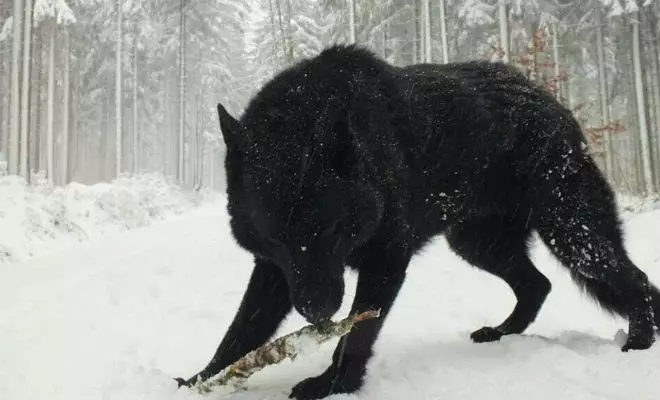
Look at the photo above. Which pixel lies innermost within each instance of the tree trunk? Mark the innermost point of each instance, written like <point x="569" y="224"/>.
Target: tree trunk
<point x="64" y="164"/>
<point x="135" y="100"/>
<point x="631" y="166"/>
<point x="273" y="27"/>
<point x="80" y="152"/>
<point x="284" y="35"/>
<point x="351" y="21"/>
<point x="555" y="62"/>
<point x="443" y="32"/>
<point x="50" y="154"/>
<point x="647" y="167"/>
<point x="200" y="138"/>
<point x="415" y="55"/>
<point x="109" y="141"/>
<point x="14" y="111"/>
<point x="170" y="157"/>
<point x="646" y="58"/>
<point x="422" y="31"/>
<point x="212" y="167"/>
<point x="384" y="29"/>
<point x="655" y="85"/>
<point x="503" y="16"/>
<point x="428" y="48"/>
<point x="602" y="91"/>
<point x="4" y="105"/>
<point x="182" y="96"/>
<point x="195" y="144"/>
<point x="25" y="95"/>
<point x="118" y="91"/>
<point x="289" y="30"/>
<point x="35" y="101"/>
<point x="200" y="162"/>
<point x="43" y="99"/>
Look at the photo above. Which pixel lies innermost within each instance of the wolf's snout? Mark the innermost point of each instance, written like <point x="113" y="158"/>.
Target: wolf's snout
<point x="319" y="302"/>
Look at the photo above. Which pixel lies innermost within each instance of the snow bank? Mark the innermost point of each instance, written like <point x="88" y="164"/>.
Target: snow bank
<point x="636" y="204"/>
<point x="36" y="219"/>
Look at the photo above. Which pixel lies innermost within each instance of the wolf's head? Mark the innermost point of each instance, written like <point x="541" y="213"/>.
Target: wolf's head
<point x="297" y="197"/>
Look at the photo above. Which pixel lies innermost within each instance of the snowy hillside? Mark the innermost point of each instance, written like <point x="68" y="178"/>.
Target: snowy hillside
<point x="117" y="317"/>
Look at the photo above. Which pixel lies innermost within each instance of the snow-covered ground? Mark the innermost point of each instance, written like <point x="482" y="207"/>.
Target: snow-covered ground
<point x="118" y="316"/>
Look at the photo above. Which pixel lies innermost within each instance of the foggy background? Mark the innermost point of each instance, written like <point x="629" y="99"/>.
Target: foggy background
<point x="90" y="89"/>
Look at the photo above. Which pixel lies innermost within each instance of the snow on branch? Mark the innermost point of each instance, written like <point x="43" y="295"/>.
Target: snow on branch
<point x="56" y="9"/>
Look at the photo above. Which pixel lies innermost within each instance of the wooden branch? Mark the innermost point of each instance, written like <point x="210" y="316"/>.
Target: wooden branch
<point x="288" y="346"/>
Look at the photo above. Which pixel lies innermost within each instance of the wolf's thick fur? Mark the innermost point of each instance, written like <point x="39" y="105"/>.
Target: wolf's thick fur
<point x="344" y="159"/>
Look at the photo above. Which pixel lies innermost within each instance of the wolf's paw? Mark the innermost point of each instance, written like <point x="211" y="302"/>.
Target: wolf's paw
<point x="639" y="342"/>
<point x="182" y="382"/>
<point x="486" y="334"/>
<point x="324" y="385"/>
<point x="186" y="382"/>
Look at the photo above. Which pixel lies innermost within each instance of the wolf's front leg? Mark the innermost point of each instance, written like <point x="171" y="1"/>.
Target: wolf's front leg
<point x="264" y="306"/>
<point x="381" y="274"/>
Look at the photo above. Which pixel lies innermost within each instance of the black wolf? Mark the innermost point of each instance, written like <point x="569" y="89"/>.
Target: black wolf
<point x="344" y="159"/>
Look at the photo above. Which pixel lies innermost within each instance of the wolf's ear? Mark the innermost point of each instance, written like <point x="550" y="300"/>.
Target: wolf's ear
<point x="230" y="127"/>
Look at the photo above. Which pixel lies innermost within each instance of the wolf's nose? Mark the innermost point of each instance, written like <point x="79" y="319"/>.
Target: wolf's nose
<point x="314" y="314"/>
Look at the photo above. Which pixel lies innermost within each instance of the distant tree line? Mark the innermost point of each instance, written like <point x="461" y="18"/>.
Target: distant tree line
<point x="90" y="89"/>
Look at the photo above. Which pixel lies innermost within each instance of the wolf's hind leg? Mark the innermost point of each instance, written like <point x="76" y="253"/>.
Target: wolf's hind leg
<point x="498" y="245"/>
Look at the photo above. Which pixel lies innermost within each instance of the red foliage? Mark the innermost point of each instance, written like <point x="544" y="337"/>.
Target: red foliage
<point x="537" y="64"/>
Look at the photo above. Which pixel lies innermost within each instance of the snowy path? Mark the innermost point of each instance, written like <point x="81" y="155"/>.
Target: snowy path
<point x="116" y="319"/>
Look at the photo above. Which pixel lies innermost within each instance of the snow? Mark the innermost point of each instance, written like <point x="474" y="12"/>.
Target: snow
<point x="39" y="219"/>
<point x="616" y="9"/>
<point x="7" y="28"/>
<point x="118" y="316"/>
<point x="58" y="9"/>
<point x="476" y="13"/>
<point x="628" y="203"/>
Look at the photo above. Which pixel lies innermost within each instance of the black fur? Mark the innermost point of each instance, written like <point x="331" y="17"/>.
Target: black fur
<point x="345" y="160"/>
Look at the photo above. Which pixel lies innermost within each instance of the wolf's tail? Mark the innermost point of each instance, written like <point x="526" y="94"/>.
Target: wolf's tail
<point x="578" y="220"/>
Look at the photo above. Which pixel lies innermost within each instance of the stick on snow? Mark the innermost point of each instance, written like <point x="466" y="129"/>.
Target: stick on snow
<point x="288" y="346"/>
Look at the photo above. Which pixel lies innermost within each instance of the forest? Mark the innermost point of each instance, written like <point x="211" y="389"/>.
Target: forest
<point x="94" y="89"/>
